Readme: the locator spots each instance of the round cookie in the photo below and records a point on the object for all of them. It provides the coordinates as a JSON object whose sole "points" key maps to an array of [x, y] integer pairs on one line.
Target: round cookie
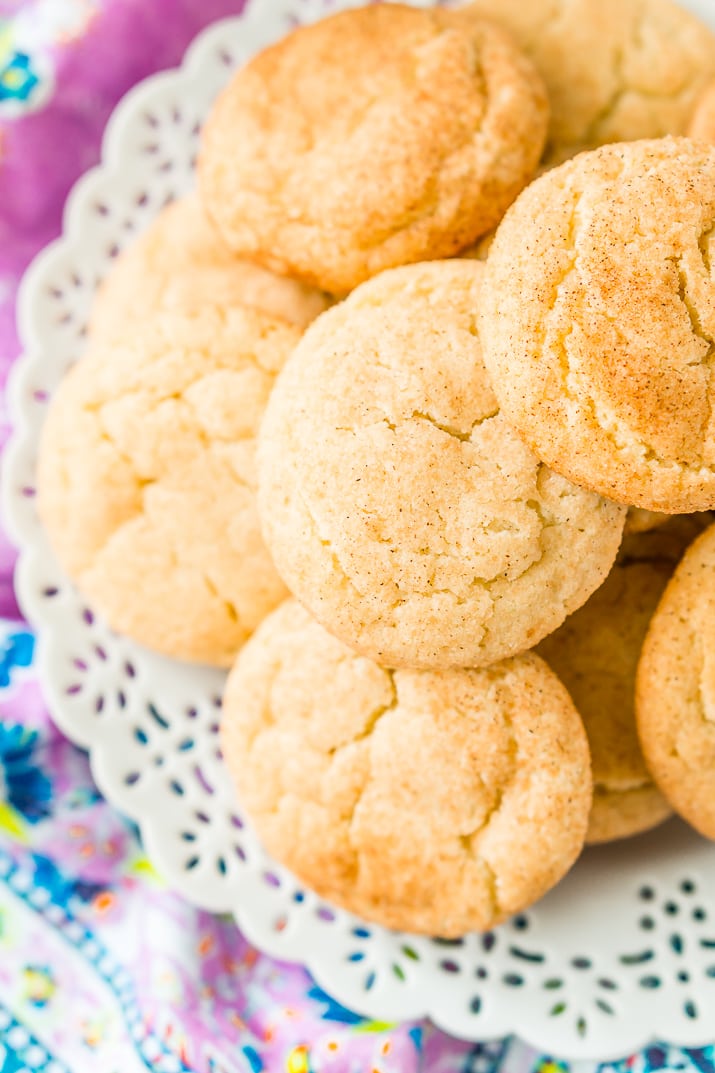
{"points": [[702, 124], [437, 802], [376, 137], [146, 480], [595, 654], [675, 688], [598, 322], [615, 70], [399, 505], [181, 264]]}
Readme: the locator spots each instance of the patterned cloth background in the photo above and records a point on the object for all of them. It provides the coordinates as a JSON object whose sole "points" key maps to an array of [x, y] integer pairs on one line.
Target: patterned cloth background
{"points": [[102, 969]]}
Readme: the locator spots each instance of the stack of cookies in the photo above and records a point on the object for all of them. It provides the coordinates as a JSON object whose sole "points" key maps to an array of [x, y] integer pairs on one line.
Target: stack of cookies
{"points": [[447, 517]]}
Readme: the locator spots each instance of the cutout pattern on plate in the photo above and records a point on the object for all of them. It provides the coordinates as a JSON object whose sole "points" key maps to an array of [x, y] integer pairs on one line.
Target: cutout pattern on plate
{"points": [[622, 951]]}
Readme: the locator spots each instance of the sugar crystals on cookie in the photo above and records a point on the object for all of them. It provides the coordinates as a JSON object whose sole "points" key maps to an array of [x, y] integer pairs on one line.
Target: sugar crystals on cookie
{"points": [[181, 264], [397, 501], [598, 321], [675, 697], [378, 136], [615, 70], [146, 479], [438, 802], [596, 653]]}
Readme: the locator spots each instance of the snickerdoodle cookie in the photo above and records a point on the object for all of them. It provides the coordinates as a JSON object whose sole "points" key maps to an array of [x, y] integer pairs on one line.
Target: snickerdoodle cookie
{"points": [[598, 321], [675, 691], [181, 263], [437, 802], [378, 136], [147, 480], [595, 654], [398, 503], [702, 124], [616, 70]]}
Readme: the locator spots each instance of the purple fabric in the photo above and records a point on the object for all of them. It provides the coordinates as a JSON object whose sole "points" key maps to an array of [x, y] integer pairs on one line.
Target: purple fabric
{"points": [[204, 999], [111, 45], [151, 983]]}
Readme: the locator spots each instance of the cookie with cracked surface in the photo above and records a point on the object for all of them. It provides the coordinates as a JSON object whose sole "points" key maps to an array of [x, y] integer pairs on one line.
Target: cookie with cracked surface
{"points": [[437, 802], [702, 124], [435, 122], [181, 264], [595, 654], [399, 505], [675, 688], [615, 70], [146, 480], [598, 324]]}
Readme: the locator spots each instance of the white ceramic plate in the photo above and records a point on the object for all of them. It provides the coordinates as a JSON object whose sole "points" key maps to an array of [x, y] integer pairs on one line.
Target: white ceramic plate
{"points": [[621, 952]]}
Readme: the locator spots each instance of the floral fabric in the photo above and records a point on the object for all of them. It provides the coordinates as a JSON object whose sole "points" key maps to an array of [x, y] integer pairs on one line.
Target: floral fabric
{"points": [[102, 969]]}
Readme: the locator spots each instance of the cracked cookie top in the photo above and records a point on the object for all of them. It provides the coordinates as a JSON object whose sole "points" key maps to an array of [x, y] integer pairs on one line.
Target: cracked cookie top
{"points": [[598, 322], [146, 480], [615, 70], [376, 137], [437, 802], [181, 264], [675, 689], [398, 503], [595, 654]]}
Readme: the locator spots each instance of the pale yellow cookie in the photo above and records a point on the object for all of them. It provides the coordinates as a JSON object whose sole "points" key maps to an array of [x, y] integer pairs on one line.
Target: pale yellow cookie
{"points": [[598, 322], [378, 136], [437, 802], [181, 264], [595, 654], [146, 480], [399, 505], [675, 692], [702, 124], [616, 70]]}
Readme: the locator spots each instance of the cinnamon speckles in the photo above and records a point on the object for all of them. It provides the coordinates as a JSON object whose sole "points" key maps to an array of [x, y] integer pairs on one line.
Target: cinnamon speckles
{"points": [[181, 265], [616, 70], [438, 802], [675, 696], [598, 322], [398, 503], [146, 479], [379, 136], [596, 652]]}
